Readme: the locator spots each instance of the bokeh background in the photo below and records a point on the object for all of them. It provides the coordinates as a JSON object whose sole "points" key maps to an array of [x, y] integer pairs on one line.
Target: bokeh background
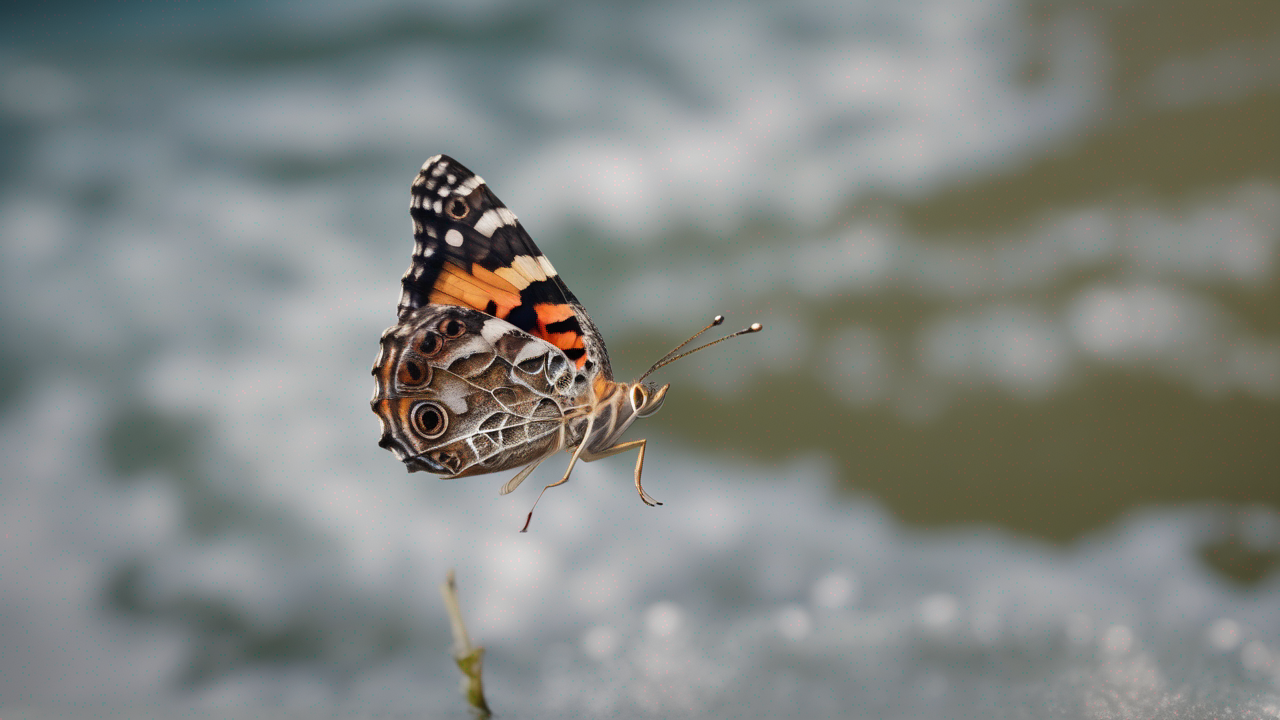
{"points": [[1009, 446]]}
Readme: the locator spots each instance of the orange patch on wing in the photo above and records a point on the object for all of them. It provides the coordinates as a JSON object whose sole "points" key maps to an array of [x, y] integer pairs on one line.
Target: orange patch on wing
{"points": [[442, 298], [491, 278], [456, 286], [550, 313]]}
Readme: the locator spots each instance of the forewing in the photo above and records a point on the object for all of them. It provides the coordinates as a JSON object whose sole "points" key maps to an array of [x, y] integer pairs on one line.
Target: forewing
{"points": [[471, 251]]}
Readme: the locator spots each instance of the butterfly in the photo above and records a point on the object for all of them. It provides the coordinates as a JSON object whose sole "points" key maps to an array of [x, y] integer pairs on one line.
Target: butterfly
{"points": [[493, 364]]}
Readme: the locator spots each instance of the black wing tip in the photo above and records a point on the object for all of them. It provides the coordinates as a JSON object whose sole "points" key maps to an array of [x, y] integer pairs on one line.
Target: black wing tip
{"points": [[442, 159]]}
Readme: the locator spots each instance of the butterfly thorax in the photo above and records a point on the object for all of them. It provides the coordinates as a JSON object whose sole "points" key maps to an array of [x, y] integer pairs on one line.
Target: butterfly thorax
{"points": [[613, 406]]}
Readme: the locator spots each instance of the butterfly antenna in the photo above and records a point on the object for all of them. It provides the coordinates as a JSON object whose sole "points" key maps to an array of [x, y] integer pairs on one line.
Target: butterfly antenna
{"points": [[714, 322], [672, 356]]}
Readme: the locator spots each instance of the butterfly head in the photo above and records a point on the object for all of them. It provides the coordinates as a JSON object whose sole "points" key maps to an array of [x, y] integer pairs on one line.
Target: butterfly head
{"points": [[646, 398]]}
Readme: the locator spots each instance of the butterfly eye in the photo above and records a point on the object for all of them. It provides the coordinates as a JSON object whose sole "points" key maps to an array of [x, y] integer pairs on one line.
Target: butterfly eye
{"points": [[457, 208], [429, 420], [430, 344], [452, 328]]}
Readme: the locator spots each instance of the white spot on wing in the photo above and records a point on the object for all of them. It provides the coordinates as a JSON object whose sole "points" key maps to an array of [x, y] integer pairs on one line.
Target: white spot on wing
{"points": [[430, 160], [545, 264], [508, 217], [513, 276], [531, 349], [428, 252], [451, 178], [444, 190], [471, 183], [528, 267], [493, 330], [488, 223], [436, 171], [454, 238]]}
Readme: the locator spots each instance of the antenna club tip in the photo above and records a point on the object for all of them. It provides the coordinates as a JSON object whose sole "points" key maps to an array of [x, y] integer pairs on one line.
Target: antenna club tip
{"points": [[717, 320], [755, 327]]}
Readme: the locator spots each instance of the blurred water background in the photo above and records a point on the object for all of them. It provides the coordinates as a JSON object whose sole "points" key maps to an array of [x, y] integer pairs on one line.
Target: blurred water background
{"points": [[1009, 446]]}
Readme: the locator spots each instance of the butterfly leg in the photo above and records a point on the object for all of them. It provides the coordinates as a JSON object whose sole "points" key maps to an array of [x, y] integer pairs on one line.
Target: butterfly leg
{"points": [[514, 482], [577, 453], [644, 496]]}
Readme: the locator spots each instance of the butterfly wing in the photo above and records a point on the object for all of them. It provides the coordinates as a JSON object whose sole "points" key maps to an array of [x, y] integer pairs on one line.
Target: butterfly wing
{"points": [[460, 392], [471, 251]]}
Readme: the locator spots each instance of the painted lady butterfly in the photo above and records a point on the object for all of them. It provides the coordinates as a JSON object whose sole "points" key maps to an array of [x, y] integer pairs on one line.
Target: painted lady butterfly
{"points": [[494, 364]]}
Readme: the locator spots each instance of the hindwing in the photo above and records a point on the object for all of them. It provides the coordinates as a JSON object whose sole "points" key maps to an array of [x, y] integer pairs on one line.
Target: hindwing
{"points": [[460, 392]]}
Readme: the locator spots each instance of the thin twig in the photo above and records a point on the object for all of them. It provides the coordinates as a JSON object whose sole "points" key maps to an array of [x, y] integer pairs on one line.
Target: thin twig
{"points": [[470, 659]]}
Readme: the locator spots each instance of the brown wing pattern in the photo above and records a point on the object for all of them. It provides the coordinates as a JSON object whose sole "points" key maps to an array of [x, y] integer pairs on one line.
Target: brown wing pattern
{"points": [[471, 251], [463, 393]]}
